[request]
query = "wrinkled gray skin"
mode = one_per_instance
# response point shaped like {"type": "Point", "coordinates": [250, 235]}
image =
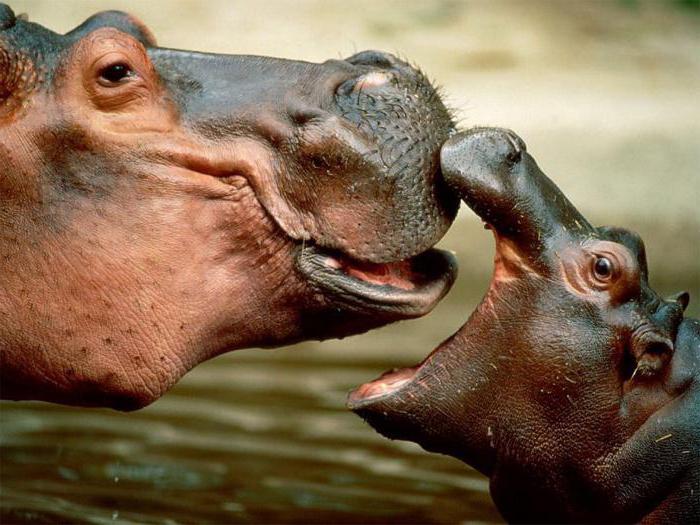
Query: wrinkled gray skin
{"type": "Point", "coordinates": [159, 207]}
{"type": "Point", "coordinates": [573, 385]}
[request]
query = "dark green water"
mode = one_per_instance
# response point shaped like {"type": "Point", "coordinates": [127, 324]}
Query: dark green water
{"type": "Point", "coordinates": [263, 436]}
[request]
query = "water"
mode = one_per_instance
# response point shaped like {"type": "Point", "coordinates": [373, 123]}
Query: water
{"type": "Point", "coordinates": [251, 437]}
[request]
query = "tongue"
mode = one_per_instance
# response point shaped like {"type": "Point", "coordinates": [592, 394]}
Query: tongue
{"type": "Point", "coordinates": [399, 275]}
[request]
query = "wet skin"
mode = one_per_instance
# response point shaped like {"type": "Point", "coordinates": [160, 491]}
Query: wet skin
{"type": "Point", "coordinates": [160, 207]}
{"type": "Point", "coordinates": [573, 385]}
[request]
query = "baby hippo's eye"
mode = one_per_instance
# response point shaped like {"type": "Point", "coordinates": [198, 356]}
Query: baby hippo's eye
{"type": "Point", "coordinates": [603, 268]}
{"type": "Point", "coordinates": [115, 73]}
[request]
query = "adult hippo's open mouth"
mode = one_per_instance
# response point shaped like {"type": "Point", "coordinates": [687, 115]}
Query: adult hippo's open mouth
{"type": "Point", "coordinates": [160, 207]}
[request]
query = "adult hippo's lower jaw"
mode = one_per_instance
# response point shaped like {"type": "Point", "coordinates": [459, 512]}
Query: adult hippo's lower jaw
{"type": "Point", "coordinates": [573, 385]}
{"type": "Point", "coordinates": [159, 207]}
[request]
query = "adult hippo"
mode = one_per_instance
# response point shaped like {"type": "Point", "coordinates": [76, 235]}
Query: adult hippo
{"type": "Point", "coordinates": [160, 207]}
{"type": "Point", "coordinates": [573, 386]}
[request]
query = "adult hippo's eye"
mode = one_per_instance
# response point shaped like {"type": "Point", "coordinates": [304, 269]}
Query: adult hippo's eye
{"type": "Point", "coordinates": [603, 268]}
{"type": "Point", "coordinates": [115, 74]}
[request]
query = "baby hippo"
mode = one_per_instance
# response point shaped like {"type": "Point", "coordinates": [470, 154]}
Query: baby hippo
{"type": "Point", "coordinates": [573, 386]}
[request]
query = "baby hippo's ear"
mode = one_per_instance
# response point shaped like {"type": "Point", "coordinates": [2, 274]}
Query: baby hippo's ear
{"type": "Point", "coordinates": [496, 177]}
{"type": "Point", "coordinates": [652, 341]}
{"type": "Point", "coordinates": [7, 21]}
{"type": "Point", "coordinates": [682, 298]}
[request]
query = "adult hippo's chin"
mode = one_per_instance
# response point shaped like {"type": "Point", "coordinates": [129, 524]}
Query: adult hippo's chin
{"type": "Point", "coordinates": [160, 207]}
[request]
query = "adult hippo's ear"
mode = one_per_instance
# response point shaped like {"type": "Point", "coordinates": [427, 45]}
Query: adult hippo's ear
{"type": "Point", "coordinates": [7, 17]}
{"type": "Point", "coordinates": [119, 20]}
{"type": "Point", "coordinates": [8, 80]}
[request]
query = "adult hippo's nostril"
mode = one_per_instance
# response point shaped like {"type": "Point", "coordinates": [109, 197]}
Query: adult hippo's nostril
{"type": "Point", "coordinates": [7, 17]}
{"type": "Point", "coordinates": [371, 80]}
{"type": "Point", "coordinates": [374, 58]}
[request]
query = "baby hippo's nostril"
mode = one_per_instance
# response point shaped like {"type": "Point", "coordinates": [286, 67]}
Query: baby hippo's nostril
{"type": "Point", "coordinates": [518, 147]}
{"type": "Point", "coordinates": [373, 58]}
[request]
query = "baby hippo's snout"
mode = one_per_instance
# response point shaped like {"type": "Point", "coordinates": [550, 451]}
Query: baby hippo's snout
{"type": "Point", "coordinates": [494, 174]}
{"type": "Point", "coordinates": [470, 159]}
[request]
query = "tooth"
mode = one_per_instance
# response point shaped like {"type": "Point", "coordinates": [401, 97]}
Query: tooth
{"type": "Point", "coordinates": [332, 263]}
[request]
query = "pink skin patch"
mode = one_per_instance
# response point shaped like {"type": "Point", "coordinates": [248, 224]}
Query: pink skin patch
{"type": "Point", "coordinates": [370, 80]}
{"type": "Point", "coordinates": [388, 382]}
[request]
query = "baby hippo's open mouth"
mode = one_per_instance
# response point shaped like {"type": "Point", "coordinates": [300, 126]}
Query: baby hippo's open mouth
{"type": "Point", "coordinates": [409, 288]}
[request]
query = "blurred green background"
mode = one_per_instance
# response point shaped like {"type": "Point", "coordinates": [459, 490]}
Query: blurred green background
{"type": "Point", "coordinates": [605, 93]}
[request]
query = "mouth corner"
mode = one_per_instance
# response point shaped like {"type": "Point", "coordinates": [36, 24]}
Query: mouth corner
{"type": "Point", "coordinates": [374, 394]}
{"type": "Point", "coordinates": [408, 288]}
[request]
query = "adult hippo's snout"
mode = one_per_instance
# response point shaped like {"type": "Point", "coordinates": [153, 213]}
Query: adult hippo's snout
{"type": "Point", "coordinates": [348, 149]}
{"type": "Point", "coordinates": [347, 165]}
{"type": "Point", "coordinates": [159, 207]}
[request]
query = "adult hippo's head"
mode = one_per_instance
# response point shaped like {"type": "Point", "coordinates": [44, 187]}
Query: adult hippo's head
{"type": "Point", "coordinates": [573, 385]}
{"type": "Point", "coordinates": [160, 207]}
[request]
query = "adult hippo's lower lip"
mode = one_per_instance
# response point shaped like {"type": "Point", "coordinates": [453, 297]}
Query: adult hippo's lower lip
{"type": "Point", "coordinates": [409, 288]}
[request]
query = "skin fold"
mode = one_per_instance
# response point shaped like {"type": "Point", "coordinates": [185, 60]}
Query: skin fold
{"type": "Point", "coordinates": [573, 386]}
{"type": "Point", "coordinates": [159, 207]}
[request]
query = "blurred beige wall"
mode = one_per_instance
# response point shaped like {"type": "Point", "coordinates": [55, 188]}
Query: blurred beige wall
{"type": "Point", "coordinates": [606, 94]}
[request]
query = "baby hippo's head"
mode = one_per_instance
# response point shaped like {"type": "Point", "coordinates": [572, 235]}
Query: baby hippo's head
{"type": "Point", "coordinates": [567, 355]}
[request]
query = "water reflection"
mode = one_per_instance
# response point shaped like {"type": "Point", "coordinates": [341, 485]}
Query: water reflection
{"type": "Point", "coordinates": [253, 437]}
